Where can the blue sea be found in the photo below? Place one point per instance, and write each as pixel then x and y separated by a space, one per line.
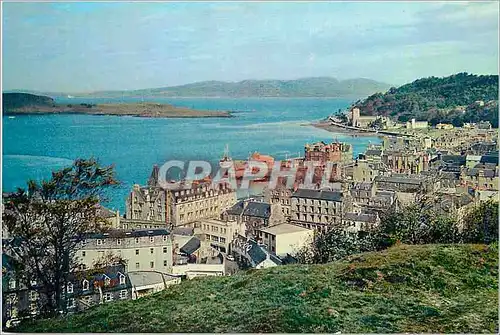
pixel 35 145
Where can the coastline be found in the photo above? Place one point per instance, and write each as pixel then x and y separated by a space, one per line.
pixel 147 110
pixel 326 125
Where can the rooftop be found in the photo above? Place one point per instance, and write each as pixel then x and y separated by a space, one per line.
pixel 318 194
pixel 121 233
pixel 284 228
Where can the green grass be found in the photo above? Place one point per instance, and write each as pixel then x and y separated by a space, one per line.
pixel 428 288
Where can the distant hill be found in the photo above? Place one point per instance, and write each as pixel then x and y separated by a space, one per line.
pixel 306 87
pixel 449 99
pixel 405 289
pixel 11 101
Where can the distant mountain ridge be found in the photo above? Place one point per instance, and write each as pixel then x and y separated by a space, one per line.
pixel 305 87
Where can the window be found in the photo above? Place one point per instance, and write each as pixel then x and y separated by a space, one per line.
pixel 152 264
pixel 137 265
pixel 71 303
pixel 137 251
pixel 69 288
pixel 33 283
pixel 119 241
pixel 152 250
pixel 12 284
pixel 108 297
pixel 165 263
pixel 85 284
pixel 164 238
pixel 151 239
pixel 123 294
pixel 122 279
pixel 136 240
pixel 107 281
pixel 83 254
pixel 33 295
pixel 99 242
pixel 164 250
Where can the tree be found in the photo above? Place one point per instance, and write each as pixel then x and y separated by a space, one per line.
pixel 333 244
pixel 48 221
pixel 480 225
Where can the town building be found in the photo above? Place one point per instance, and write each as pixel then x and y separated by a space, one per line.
pixel 195 257
pixel 333 152
pixel 220 233
pixel 444 126
pixel 356 120
pixel 360 222
pixel 255 215
pixel 148 282
pixel 284 238
pixel 250 254
pixel 204 200
pixel 316 209
pixel 142 250
pixel 413 124
pixel 83 290
pixel 177 206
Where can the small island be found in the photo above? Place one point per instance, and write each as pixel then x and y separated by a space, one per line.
pixel 24 103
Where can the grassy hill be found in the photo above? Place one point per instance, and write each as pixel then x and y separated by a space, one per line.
pixel 427 288
pixel 437 100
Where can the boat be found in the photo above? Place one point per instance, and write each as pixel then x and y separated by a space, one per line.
pixel 12 117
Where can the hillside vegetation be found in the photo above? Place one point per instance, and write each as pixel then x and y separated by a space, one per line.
pixel 421 288
pixel 438 100
pixel 19 100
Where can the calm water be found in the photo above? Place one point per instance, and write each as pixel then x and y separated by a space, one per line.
pixel 33 146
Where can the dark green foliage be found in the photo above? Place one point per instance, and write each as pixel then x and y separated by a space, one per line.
pixel 19 100
pixel 404 289
pixel 435 99
pixel 481 224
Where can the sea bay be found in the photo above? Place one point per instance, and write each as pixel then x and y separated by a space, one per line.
pixel 34 145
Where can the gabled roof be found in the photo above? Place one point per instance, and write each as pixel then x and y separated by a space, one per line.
pixel 318 194
pixel 191 246
pixel 257 209
pixel 236 209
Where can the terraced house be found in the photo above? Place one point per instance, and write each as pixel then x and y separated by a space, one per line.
pixel 316 209
pixel 142 250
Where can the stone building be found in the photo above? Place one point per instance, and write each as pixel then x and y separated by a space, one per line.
pixel 177 206
pixel 254 215
pixel 204 200
pixel 356 120
pixel 316 209
pixel 279 195
pixel 142 250
pixel 405 161
pixel 481 177
pixel 332 152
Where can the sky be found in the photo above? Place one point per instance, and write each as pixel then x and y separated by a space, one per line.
pixel 91 46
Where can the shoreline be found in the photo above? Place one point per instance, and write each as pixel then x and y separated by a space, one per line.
pixel 326 125
pixel 146 110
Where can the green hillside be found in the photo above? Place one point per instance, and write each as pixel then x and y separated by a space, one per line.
pixel 19 100
pixel 436 100
pixel 426 288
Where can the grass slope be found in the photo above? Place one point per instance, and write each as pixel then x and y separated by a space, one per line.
pixel 428 288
